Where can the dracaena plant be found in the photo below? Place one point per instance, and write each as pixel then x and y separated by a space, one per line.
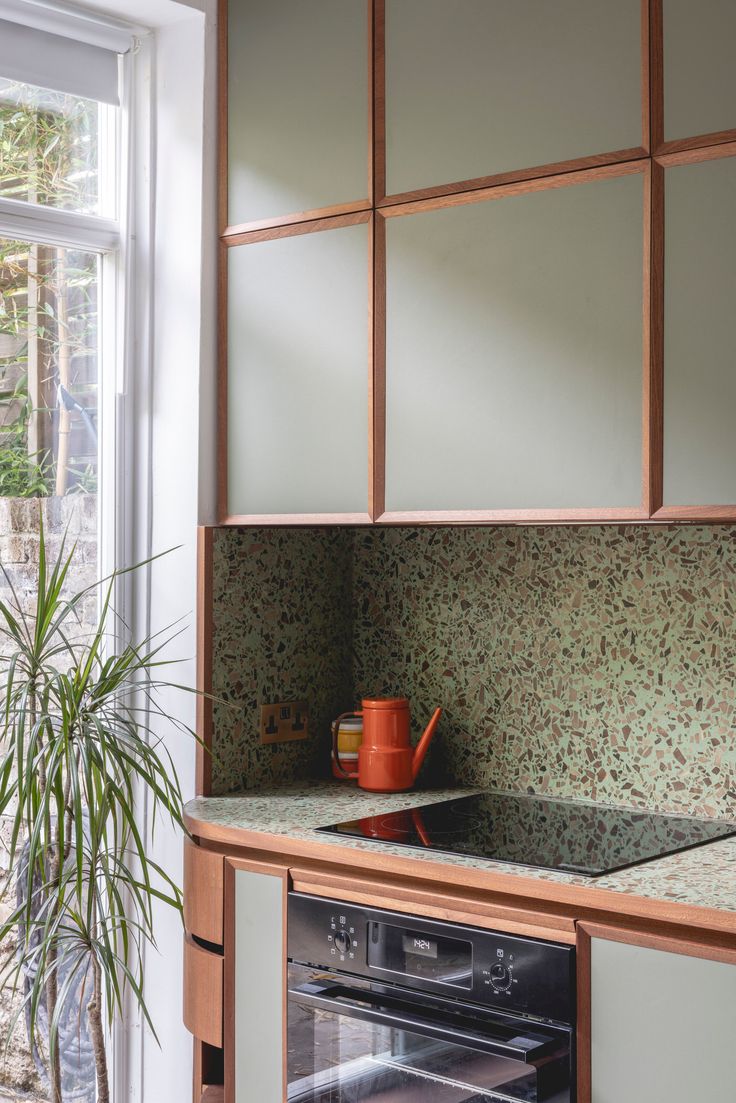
pixel 80 741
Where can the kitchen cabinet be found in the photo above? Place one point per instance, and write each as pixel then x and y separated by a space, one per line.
pixel 429 312
pixel 297 108
pixel 476 90
pixel 699 74
pixel 298 365
pixel 513 351
pixel 660 1020
pixel 699 350
pixel 255 983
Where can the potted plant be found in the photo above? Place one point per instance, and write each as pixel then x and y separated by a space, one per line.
pixel 80 741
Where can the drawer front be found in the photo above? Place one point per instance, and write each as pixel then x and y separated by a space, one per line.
pixel 203 976
pixel 203 892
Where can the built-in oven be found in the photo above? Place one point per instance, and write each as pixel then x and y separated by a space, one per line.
pixel 385 1007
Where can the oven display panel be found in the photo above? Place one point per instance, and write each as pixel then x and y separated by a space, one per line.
pixel 416 954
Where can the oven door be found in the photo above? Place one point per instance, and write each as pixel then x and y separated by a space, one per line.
pixel 356 1041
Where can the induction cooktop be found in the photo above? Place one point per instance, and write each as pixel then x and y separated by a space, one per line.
pixel 569 836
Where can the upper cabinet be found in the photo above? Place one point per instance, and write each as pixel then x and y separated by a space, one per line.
pixel 297 108
pixel 477 261
pixel 514 351
pixel 478 89
pixel 699 70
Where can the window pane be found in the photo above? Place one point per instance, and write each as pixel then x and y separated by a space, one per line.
pixel 49 337
pixel 52 149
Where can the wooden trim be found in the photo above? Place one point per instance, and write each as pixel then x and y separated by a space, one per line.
pixel 205 542
pixel 583 981
pixel 203 892
pixel 527 186
pixel 378 82
pixel 294 229
pixel 696 156
pixel 222 380
pixel 527 892
pixel 197 1071
pixel 275 869
pixel 464 191
pixel 646 76
pixel 337 210
pixel 436 905
pixel 203 980
pixel 652 941
pixel 377 406
pixel 656 75
pixel 513 516
pixel 222 115
pixel 680 145
pixel 213 1093
pixel 653 331
pixel 707 514
pixel 371 97
pixel 250 519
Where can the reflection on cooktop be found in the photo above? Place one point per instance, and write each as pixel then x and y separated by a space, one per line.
pixel 570 836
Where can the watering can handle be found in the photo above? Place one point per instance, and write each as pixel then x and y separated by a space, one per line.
pixel 335 734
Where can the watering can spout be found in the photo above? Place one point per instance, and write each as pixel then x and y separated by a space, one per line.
pixel 422 746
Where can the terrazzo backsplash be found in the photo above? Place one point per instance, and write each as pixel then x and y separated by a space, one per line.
pixel 591 662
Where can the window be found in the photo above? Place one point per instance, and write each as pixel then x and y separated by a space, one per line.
pixel 62 208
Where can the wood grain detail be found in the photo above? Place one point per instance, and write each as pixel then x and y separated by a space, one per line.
pixel 205 540
pixel 696 155
pixel 222 115
pixel 295 229
pixel 244 520
pixel 377 403
pixel 513 516
pixel 542 175
pixel 319 214
pixel 653 330
pixel 203 989
pixel 656 75
pixel 203 892
pixel 378 90
pixel 680 145
pixel 568 177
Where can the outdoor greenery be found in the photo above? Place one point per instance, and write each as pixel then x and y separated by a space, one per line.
pixel 80 742
pixel 48 297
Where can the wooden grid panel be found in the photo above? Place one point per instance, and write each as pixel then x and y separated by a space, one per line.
pixel 652 158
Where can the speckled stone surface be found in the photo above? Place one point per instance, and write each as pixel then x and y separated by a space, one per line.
pixel 595 663
pixel 281 632
pixel 581 662
pixel 704 877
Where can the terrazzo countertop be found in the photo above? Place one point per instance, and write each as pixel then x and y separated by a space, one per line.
pixel 693 886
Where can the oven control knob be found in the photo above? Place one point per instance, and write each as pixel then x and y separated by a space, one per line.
pixel 500 977
pixel 343 942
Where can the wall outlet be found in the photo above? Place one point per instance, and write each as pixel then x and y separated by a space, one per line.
pixel 284 721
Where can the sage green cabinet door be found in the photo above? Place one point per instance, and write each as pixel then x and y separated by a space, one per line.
pixel 298 374
pixel 699 69
pixel 514 352
pixel 259 984
pixel 480 87
pixel 297 106
pixel 699 341
pixel 662 1026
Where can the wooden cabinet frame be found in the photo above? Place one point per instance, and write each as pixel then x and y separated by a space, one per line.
pixel 709 949
pixel 651 159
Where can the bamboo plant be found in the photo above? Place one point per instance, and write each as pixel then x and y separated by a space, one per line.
pixel 80 739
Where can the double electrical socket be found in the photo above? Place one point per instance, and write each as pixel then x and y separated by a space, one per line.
pixel 284 721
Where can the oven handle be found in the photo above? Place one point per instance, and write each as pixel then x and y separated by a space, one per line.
pixel 340 1000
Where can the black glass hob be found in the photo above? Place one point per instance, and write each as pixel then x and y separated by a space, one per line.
pixel 569 836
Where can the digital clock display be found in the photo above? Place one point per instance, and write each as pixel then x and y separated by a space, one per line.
pixel 418 944
pixel 415 953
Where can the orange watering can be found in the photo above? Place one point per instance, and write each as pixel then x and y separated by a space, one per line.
pixel 387 762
